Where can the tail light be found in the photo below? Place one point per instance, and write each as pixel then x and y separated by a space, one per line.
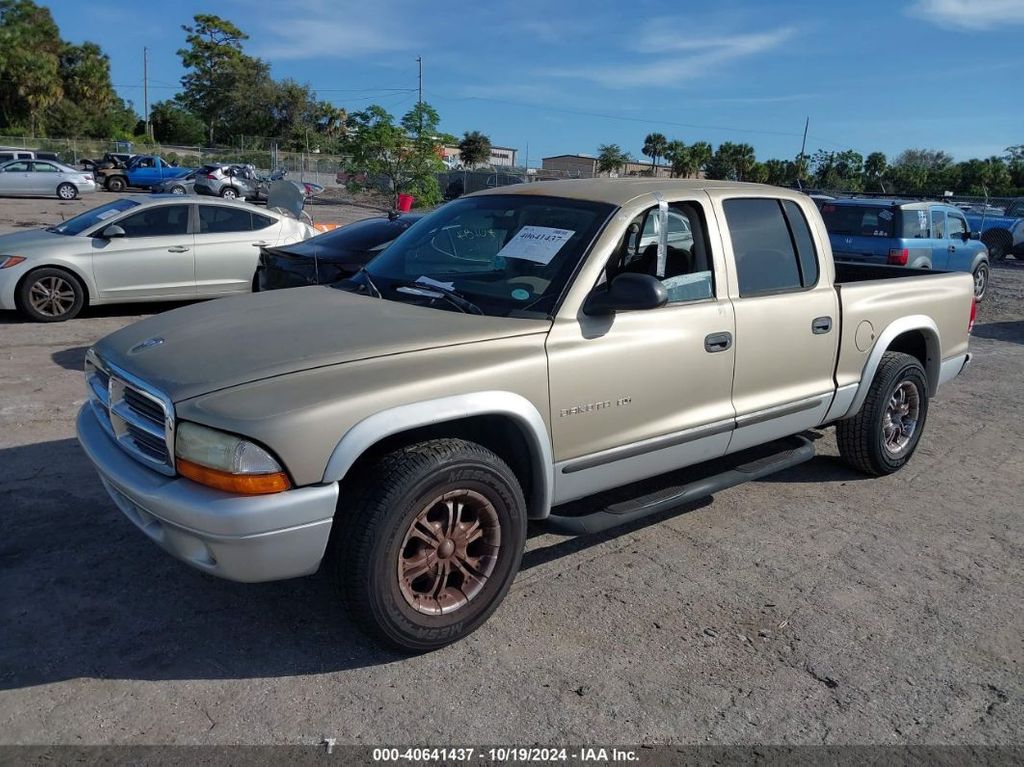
pixel 899 256
pixel 211 177
pixel 974 316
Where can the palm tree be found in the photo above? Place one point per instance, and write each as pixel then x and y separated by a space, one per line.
pixel 610 158
pixel 678 154
pixel 744 160
pixel 700 155
pixel 654 147
pixel 474 149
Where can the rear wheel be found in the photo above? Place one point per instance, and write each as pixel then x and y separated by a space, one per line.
pixel 117 184
pixel 50 295
pixel 67 191
pixel 177 189
pixel 981 277
pixel 229 193
pixel 998 242
pixel 883 436
pixel 429 543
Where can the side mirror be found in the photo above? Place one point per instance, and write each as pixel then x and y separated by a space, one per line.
pixel 111 232
pixel 966 236
pixel 627 292
pixel 975 235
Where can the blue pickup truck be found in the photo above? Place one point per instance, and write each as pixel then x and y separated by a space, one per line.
pixel 1002 234
pixel 917 235
pixel 142 171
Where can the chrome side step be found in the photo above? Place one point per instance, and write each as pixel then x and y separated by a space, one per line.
pixel 670 490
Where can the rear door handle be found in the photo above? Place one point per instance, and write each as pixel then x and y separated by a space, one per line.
pixel 952 248
pixel 821 325
pixel 718 342
pixel 178 249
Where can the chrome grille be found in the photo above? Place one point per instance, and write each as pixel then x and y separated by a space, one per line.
pixel 139 418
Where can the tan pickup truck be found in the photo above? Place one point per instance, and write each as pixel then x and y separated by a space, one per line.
pixel 512 357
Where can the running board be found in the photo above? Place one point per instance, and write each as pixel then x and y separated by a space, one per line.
pixel 670 492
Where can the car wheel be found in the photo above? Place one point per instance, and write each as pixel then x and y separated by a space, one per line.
pixel 50 295
pixel 883 436
pixel 116 184
pixel 981 277
pixel 229 193
pixel 428 545
pixel 67 191
pixel 177 189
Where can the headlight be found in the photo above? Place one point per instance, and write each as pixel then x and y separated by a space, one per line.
pixel 226 462
pixel 6 261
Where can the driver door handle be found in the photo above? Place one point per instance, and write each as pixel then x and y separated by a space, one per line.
pixel 178 249
pixel 717 342
pixel 821 325
pixel 952 248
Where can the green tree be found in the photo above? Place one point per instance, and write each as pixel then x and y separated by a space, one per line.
pixel 30 48
pixel 777 172
pixel 214 62
pixel 611 158
pixel 874 170
pixel 654 147
pixel 678 156
pixel 700 156
pixel 474 149
pixel 173 124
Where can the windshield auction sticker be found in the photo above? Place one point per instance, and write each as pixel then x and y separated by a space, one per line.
pixel 539 244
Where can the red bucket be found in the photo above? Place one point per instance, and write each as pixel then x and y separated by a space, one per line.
pixel 404 203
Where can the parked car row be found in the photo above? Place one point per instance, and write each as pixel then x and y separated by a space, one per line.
pixel 44 178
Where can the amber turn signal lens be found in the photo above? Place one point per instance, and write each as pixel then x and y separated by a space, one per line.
pixel 243 484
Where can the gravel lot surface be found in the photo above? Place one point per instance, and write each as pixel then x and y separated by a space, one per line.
pixel 817 606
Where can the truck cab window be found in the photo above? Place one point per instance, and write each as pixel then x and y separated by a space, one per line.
pixel 772 246
pixel 687 273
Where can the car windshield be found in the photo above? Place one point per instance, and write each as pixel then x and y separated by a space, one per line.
pixel 499 255
pixel 91 218
pixel 858 220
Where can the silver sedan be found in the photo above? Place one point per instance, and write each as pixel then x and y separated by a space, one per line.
pixel 142 248
pixel 44 178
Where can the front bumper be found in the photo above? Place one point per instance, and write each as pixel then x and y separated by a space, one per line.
pixel 241 538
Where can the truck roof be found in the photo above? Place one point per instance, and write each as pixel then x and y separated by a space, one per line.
pixel 619 191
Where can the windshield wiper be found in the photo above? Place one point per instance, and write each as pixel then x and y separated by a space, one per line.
pixel 431 290
pixel 369 282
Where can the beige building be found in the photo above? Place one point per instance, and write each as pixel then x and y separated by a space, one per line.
pixel 585 166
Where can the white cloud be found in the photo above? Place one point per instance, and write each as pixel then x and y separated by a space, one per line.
pixel 701 56
pixel 316 29
pixel 969 14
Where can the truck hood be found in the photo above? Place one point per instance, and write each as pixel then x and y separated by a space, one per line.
pixel 218 344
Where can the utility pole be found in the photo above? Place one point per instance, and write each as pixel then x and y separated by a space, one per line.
pixel 801 159
pixel 803 146
pixel 419 102
pixel 145 88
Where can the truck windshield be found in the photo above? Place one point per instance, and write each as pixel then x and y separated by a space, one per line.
pixel 91 218
pixel 859 220
pixel 499 255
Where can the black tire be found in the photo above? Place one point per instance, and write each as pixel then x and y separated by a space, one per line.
pixel 998 242
pixel 862 439
pixel 229 193
pixel 981 276
pixel 178 189
pixel 373 538
pixel 31 300
pixel 117 184
pixel 67 191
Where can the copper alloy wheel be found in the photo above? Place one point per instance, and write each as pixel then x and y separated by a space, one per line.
pixel 449 552
pixel 52 296
pixel 899 422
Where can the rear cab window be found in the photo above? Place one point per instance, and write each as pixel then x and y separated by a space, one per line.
pixel 772 246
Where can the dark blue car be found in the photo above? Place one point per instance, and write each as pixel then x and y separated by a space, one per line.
pixel 919 235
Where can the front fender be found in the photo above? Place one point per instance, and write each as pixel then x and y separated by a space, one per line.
pixel 386 423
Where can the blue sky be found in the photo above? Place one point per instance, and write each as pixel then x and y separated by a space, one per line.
pixel 563 77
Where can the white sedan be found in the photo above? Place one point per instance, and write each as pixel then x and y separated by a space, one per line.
pixel 44 178
pixel 143 248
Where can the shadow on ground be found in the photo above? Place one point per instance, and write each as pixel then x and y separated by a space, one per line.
pixel 1011 332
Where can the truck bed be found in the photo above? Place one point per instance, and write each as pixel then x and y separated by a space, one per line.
pixel 847 272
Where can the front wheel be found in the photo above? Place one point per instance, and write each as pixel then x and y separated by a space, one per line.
pixel 981 277
pixel 67 191
pixel 116 184
pixel 883 436
pixel 228 193
pixel 50 295
pixel 427 546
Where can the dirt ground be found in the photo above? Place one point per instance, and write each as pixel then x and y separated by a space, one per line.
pixel 816 606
